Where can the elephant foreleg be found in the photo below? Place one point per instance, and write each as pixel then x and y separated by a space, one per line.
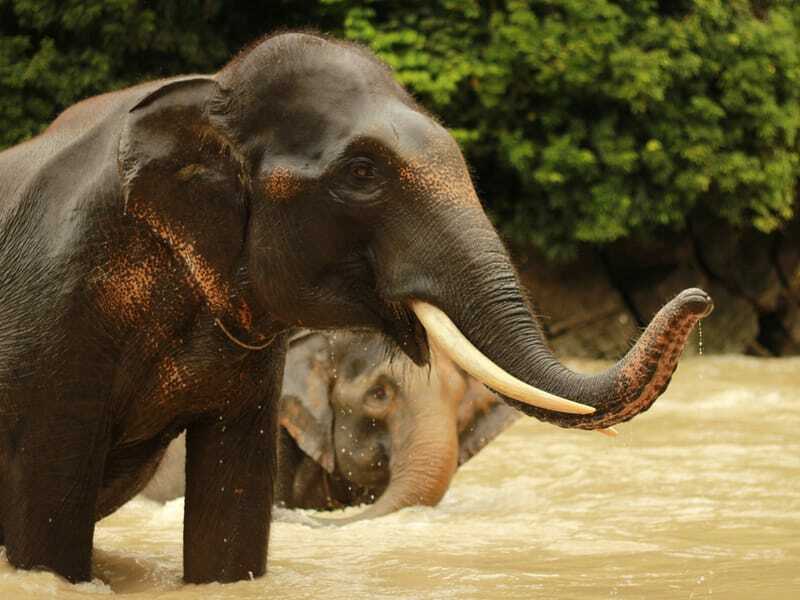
pixel 230 468
pixel 52 471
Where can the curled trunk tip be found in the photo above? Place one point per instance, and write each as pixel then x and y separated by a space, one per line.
pixel 568 399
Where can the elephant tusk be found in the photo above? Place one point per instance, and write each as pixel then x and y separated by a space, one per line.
pixel 444 333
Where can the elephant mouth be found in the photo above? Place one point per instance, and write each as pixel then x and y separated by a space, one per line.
pixel 405 329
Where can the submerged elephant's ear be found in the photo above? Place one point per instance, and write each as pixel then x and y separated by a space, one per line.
pixel 482 416
pixel 306 412
pixel 180 173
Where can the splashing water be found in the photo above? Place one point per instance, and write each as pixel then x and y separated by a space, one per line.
pixel 698 497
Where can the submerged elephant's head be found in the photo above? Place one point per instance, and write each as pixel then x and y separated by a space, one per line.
pixel 381 427
pixel 303 186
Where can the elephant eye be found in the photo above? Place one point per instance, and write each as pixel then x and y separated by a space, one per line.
pixel 378 398
pixel 378 392
pixel 358 183
pixel 362 169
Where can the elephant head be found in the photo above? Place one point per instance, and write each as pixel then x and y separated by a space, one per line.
pixel 383 429
pixel 335 200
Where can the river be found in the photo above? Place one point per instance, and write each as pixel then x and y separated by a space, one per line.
pixel 697 498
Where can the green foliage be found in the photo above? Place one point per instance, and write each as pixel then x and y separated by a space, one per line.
pixel 56 52
pixel 600 119
pixel 585 120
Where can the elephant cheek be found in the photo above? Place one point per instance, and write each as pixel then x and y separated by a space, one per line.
pixel 281 185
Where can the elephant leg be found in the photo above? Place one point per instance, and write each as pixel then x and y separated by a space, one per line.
pixel 3 493
pixel 230 468
pixel 52 472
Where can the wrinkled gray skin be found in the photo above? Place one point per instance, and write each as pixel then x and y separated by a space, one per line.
pixel 360 426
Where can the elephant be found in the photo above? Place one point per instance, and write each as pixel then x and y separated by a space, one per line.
pixel 358 425
pixel 160 243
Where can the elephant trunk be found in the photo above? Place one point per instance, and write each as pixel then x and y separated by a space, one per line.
pixel 479 317
pixel 623 391
pixel 424 458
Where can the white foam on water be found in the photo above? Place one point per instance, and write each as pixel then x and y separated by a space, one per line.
pixel 699 496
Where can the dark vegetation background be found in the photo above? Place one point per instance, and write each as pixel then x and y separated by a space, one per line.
pixel 626 148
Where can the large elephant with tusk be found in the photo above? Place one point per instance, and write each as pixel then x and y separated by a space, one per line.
pixel 158 246
pixel 363 425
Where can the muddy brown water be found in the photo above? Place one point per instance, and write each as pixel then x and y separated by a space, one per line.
pixel 699 497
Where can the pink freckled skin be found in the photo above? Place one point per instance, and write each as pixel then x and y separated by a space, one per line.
pixel 437 171
pixel 199 272
pixel 646 371
pixel 281 185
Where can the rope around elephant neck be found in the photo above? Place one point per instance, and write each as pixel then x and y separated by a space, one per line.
pixel 238 342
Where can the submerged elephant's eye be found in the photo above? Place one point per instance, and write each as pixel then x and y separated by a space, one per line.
pixel 378 399
pixel 378 392
pixel 362 168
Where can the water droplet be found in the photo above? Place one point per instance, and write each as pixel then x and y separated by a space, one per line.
pixel 700 338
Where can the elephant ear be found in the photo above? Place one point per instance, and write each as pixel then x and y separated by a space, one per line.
pixel 306 412
pixel 181 175
pixel 482 416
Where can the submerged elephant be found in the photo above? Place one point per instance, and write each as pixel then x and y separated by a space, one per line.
pixel 158 246
pixel 359 426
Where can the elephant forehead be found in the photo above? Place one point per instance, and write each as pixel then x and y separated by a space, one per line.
pixel 294 69
pixel 304 105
